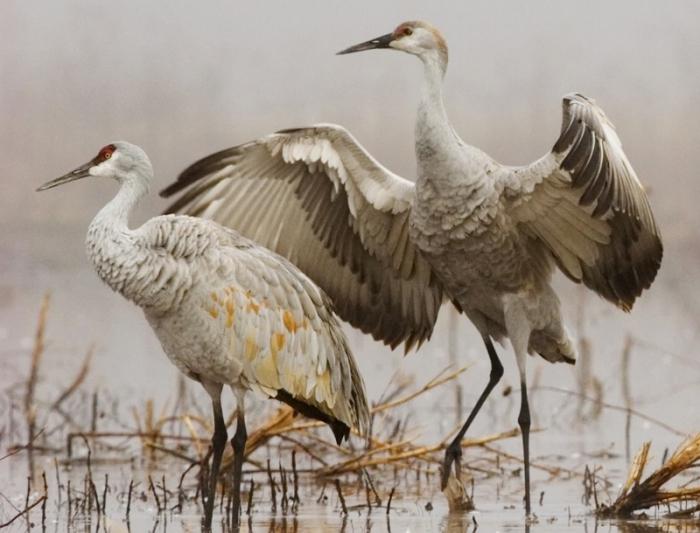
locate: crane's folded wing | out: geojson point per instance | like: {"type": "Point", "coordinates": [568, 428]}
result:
{"type": "Point", "coordinates": [316, 197]}
{"type": "Point", "coordinates": [584, 201]}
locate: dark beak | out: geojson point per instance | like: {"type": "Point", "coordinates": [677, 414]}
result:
{"type": "Point", "coordinates": [378, 42]}
{"type": "Point", "coordinates": [83, 171]}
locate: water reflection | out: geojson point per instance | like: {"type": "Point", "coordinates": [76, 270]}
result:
{"type": "Point", "coordinates": [666, 526]}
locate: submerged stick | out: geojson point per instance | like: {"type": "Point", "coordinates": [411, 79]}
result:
{"type": "Point", "coordinates": [155, 494]}
{"type": "Point", "coordinates": [273, 490]}
{"type": "Point", "coordinates": [340, 496]}
{"type": "Point", "coordinates": [250, 497]}
{"type": "Point", "coordinates": [23, 512]}
{"type": "Point", "coordinates": [43, 503]}
{"type": "Point", "coordinates": [128, 499]}
{"type": "Point", "coordinates": [391, 497]}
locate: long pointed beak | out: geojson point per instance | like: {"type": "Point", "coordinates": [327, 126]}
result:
{"type": "Point", "coordinates": [83, 171]}
{"type": "Point", "coordinates": [378, 42]}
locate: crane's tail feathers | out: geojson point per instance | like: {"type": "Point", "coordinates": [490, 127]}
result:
{"type": "Point", "coordinates": [562, 350]}
{"type": "Point", "coordinates": [340, 430]}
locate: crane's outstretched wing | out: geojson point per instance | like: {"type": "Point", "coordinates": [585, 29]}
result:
{"type": "Point", "coordinates": [315, 196]}
{"type": "Point", "coordinates": [584, 201]}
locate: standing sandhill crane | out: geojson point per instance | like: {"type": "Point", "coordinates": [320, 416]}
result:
{"type": "Point", "coordinates": [485, 235]}
{"type": "Point", "coordinates": [226, 311]}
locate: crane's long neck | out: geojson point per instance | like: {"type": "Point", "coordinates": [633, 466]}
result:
{"type": "Point", "coordinates": [434, 134]}
{"type": "Point", "coordinates": [445, 163]}
{"type": "Point", "coordinates": [112, 247]}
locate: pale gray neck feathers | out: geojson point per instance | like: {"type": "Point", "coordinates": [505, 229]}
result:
{"type": "Point", "coordinates": [111, 246]}
{"type": "Point", "coordinates": [434, 134]}
{"type": "Point", "coordinates": [116, 213]}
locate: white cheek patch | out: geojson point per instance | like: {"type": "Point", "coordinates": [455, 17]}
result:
{"type": "Point", "coordinates": [106, 168]}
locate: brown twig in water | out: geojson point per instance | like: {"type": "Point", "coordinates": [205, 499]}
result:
{"type": "Point", "coordinates": [391, 497]}
{"type": "Point", "coordinates": [43, 504]}
{"type": "Point", "coordinates": [340, 497]}
{"type": "Point", "coordinates": [23, 512]}
{"type": "Point", "coordinates": [128, 499]}
{"type": "Point", "coordinates": [250, 497]}
{"type": "Point", "coordinates": [616, 408]}
{"type": "Point", "coordinates": [626, 394]}
{"type": "Point", "coordinates": [438, 380]}
{"type": "Point", "coordinates": [283, 479]}
{"type": "Point", "coordinates": [155, 494]}
{"type": "Point", "coordinates": [295, 497]}
{"type": "Point", "coordinates": [77, 381]}
{"type": "Point", "coordinates": [15, 449]}
{"type": "Point", "coordinates": [70, 502]}
{"type": "Point", "coordinates": [172, 452]}
{"type": "Point", "coordinates": [273, 490]}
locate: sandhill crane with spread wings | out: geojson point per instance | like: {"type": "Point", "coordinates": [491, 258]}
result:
{"type": "Point", "coordinates": [226, 310]}
{"type": "Point", "coordinates": [484, 235]}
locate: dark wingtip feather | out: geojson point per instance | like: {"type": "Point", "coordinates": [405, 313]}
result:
{"type": "Point", "coordinates": [202, 168]}
{"type": "Point", "coordinates": [171, 189]}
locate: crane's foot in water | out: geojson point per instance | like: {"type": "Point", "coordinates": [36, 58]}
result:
{"type": "Point", "coordinates": [453, 454]}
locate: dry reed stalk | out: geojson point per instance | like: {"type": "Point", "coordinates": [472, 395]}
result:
{"type": "Point", "coordinates": [636, 494]}
{"type": "Point", "coordinates": [77, 380]}
{"type": "Point", "coordinates": [171, 452]}
{"type": "Point", "coordinates": [614, 407]}
{"type": "Point", "coordinates": [201, 452]}
{"type": "Point", "coordinates": [626, 393]}
{"type": "Point", "coordinates": [36, 356]}
{"type": "Point", "coordinates": [438, 380]}
{"type": "Point", "coordinates": [551, 470]}
{"type": "Point", "coordinates": [405, 450]}
{"type": "Point", "coordinates": [24, 511]}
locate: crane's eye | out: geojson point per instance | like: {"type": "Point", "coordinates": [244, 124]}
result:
{"type": "Point", "coordinates": [105, 153]}
{"type": "Point", "coordinates": [407, 31]}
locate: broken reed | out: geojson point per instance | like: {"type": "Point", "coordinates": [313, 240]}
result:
{"type": "Point", "coordinates": [637, 495]}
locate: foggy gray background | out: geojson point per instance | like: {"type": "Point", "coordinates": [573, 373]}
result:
{"type": "Point", "coordinates": [183, 79]}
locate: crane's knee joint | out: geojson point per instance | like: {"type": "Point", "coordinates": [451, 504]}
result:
{"type": "Point", "coordinates": [239, 438]}
{"type": "Point", "coordinates": [454, 450]}
{"type": "Point", "coordinates": [220, 435]}
{"type": "Point", "coordinates": [524, 419]}
{"type": "Point", "coordinates": [496, 371]}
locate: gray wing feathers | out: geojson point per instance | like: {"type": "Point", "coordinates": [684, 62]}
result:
{"type": "Point", "coordinates": [316, 197]}
{"type": "Point", "coordinates": [299, 344]}
{"type": "Point", "coordinates": [585, 202]}
{"type": "Point", "coordinates": [302, 371]}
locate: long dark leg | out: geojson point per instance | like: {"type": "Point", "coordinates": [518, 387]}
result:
{"type": "Point", "coordinates": [238, 443]}
{"type": "Point", "coordinates": [524, 422]}
{"type": "Point", "coordinates": [453, 453]}
{"type": "Point", "coordinates": [218, 443]}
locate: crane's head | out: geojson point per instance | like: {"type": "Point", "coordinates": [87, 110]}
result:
{"type": "Point", "coordinates": [119, 160]}
{"type": "Point", "coordinates": [414, 37]}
